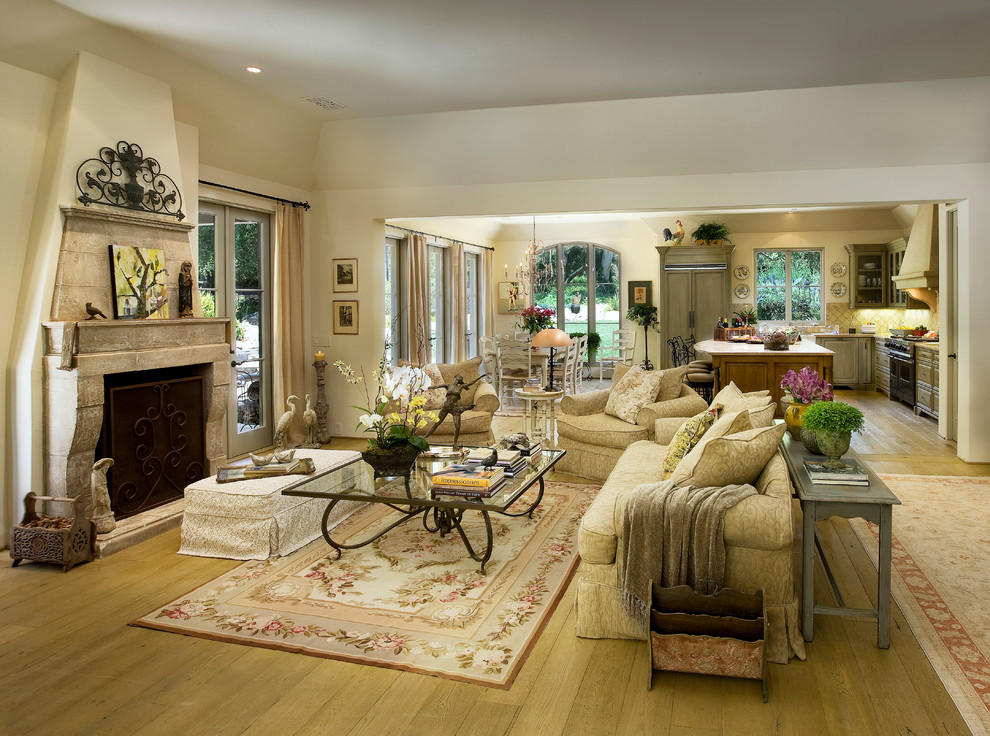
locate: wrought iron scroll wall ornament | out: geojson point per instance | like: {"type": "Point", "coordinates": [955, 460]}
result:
{"type": "Point", "coordinates": [123, 177]}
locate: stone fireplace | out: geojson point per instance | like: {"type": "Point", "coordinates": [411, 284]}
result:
{"type": "Point", "coordinates": [81, 353]}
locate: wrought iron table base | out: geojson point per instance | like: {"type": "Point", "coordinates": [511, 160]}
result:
{"type": "Point", "coordinates": [445, 520]}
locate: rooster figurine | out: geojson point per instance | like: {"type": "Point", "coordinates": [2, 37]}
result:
{"type": "Point", "coordinates": [677, 237]}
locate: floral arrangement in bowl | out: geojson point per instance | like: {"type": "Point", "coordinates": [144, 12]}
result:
{"type": "Point", "coordinates": [806, 386]}
{"type": "Point", "coordinates": [536, 318]}
{"type": "Point", "coordinates": [398, 408]}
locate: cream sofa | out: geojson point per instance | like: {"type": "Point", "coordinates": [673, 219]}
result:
{"type": "Point", "coordinates": [595, 440]}
{"type": "Point", "coordinates": [758, 535]}
{"type": "Point", "coordinates": [476, 423]}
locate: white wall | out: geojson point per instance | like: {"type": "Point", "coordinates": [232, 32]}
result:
{"type": "Point", "coordinates": [865, 126]}
{"type": "Point", "coordinates": [23, 136]}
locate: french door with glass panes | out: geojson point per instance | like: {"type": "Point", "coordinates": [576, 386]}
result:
{"type": "Point", "coordinates": [235, 281]}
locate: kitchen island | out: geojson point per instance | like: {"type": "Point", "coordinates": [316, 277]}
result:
{"type": "Point", "coordinates": [754, 368]}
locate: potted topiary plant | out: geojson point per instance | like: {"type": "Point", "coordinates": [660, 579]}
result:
{"type": "Point", "coordinates": [711, 233]}
{"type": "Point", "coordinates": [833, 423]}
{"type": "Point", "coordinates": [644, 315]}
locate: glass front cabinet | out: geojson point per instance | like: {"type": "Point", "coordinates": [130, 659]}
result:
{"type": "Point", "coordinates": [869, 276]}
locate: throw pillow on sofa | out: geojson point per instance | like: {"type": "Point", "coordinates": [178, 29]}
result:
{"type": "Point", "coordinates": [733, 459]}
{"type": "Point", "coordinates": [762, 417]}
{"type": "Point", "coordinates": [468, 370]}
{"type": "Point", "coordinates": [685, 438]}
{"type": "Point", "coordinates": [670, 382]}
{"type": "Point", "coordinates": [635, 389]}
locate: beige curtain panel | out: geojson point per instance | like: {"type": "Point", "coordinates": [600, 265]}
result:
{"type": "Point", "coordinates": [458, 304]}
{"type": "Point", "coordinates": [289, 344]}
{"type": "Point", "coordinates": [488, 282]}
{"type": "Point", "coordinates": [418, 313]}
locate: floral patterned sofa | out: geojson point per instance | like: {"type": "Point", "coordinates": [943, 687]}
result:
{"type": "Point", "coordinates": [758, 531]}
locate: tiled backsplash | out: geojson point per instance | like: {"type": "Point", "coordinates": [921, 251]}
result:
{"type": "Point", "coordinates": [841, 314]}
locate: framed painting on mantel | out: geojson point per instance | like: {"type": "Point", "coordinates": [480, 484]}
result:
{"type": "Point", "coordinates": [139, 275]}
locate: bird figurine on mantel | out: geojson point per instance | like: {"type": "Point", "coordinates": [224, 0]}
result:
{"type": "Point", "coordinates": [677, 236]}
{"type": "Point", "coordinates": [93, 312]}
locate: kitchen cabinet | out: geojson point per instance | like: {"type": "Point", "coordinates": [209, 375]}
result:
{"type": "Point", "coordinates": [693, 292]}
{"type": "Point", "coordinates": [881, 366]}
{"type": "Point", "coordinates": [852, 365]}
{"type": "Point", "coordinates": [926, 381]}
{"type": "Point", "coordinates": [869, 276]}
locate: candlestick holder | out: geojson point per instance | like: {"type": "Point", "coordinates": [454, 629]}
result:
{"type": "Point", "coordinates": [322, 408]}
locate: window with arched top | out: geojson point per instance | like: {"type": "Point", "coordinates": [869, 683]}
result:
{"type": "Point", "coordinates": [580, 281]}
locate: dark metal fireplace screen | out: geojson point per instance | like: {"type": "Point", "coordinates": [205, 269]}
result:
{"type": "Point", "coordinates": [155, 432]}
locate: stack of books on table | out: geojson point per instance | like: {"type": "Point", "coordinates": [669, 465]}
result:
{"type": "Point", "coordinates": [850, 474]}
{"type": "Point", "coordinates": [466, 479]}
{"type": "Point", "coordinates": [511, 461]}
{"type": "Point", "coordinates": [532, 452]}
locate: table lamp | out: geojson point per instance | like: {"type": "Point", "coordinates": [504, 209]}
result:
{"type": "Point", "coordinates": [552, 339]}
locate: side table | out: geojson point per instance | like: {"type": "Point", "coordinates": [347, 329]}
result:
{"type": "Point", "coordinates": [532, 420]}
{"type": "Point", "coordinates": [874, 503]}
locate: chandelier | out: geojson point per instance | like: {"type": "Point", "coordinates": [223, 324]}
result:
{"type": "Point", "coordinates": [531, 276]}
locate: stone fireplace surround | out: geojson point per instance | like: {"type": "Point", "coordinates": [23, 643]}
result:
{"type": "Point", "coordinates": [79, 353]}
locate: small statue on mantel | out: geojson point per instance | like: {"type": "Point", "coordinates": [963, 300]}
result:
{"type": "Point", "coordinates": [185, 290]}
{"type": "Point", "coordinates": [103, 516]}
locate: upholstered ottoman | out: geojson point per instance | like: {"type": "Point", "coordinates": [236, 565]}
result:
{"type": "Point", "coordinates": [252, 520]}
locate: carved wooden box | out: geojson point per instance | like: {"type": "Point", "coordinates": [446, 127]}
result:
{"type": "Point", "coordinates": [42, 538]}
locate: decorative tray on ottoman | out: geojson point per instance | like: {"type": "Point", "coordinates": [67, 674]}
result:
{"type": "Point", "coordinates": [721, 634]}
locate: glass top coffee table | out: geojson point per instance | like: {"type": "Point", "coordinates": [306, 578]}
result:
{"type": "Point", "coordinates": [412, 496]}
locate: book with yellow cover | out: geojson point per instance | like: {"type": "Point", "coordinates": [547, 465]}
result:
{"type": "Point", "coordinates": [468, 475]}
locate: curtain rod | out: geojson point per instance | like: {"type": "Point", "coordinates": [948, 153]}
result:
{"type": "Point", "coordinates": [304, 205]}
{"type": "Point", "coordinates": [431, 235]}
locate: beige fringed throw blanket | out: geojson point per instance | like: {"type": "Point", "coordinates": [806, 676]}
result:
{"type": "Point", "coordinates": [673, 536]}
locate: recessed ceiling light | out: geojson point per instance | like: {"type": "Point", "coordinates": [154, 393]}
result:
{"type": "Point", "coordinates": [254, 69]}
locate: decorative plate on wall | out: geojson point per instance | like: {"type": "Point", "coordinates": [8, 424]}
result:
{"type": "Point", "coordinates": [741, 291]}
{"type": "Point", "coordinates": [838, 289]}
{"type": "Point", "coordinates": [741, 272]}
{"type": "Point", "coordinates": [838, 270]}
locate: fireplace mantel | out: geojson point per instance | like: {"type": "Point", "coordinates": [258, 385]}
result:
{"type": "Point", "coordinates": [79, 354]}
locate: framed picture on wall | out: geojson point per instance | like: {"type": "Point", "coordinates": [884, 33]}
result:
{"type": "Point", "coordinates": [640, 292]}
{"type": "Point", "coordinates": [345, 276]}
{"type": "Point", "coordinates": [345, 317]}
{"type": "Point", "coordinates": [510, 300]}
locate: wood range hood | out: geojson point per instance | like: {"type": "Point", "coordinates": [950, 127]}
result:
{"type": "Point", "coordinates": [918, 275]}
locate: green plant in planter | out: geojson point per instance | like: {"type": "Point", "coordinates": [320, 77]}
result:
{"type": "Point", "coordinates": [833, 423]}
{"type": "Point", "coordinates": [746, 316]}
{"type": "Point", "coordinates": [594, 342]}
{"type": "Point", "coordinates": [711, 233]}
{"type": "Point", "coordinates": [645, 315]}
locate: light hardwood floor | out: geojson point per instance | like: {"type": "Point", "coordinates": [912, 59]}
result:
{"type": "Point", "coordinates": [69, 664]}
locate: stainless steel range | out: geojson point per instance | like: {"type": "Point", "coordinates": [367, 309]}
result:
{"type": "Point", "coordinates": [901, 353]}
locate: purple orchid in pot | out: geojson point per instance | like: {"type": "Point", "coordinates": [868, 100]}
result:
{"type": "Point", "coordinates": [803, 388]}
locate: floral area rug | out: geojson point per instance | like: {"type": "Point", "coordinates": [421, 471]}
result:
{"type": "Point", "coordinates": [941, 554]}
{"type": "Point", "coordinates": [412, 600]}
